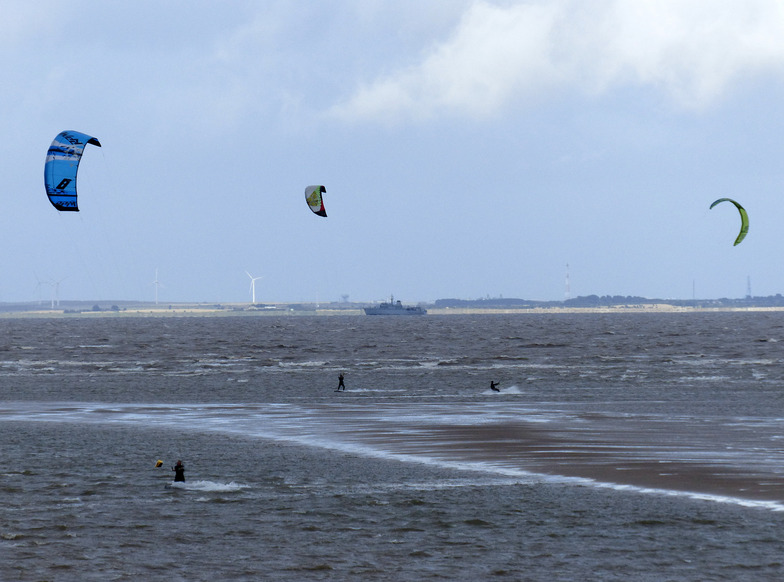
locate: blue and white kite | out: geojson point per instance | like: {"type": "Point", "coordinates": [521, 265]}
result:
{"type": "Point", "coordinates": [62, 163]}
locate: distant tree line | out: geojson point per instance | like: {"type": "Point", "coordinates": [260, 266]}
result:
{"type": "Point", "coordinates": [606, 301]}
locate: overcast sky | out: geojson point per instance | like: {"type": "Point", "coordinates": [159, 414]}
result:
{"type": "Point", "coordinates": [469, 148]}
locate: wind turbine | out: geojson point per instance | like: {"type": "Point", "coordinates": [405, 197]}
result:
{"type": "Point", "coordinates": [39, 282]}
{"type": "Point", "coordinates": [157, 284]}
{"type": "Point", "coordinates": [253, 286]}
{"type": "Point", "coordinates": [56, 291]}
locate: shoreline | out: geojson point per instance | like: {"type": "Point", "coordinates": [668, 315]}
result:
{"type": "Point", "coordinates": [283, 310]}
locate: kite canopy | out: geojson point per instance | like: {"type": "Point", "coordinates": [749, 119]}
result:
{"type": "Point", "coordinates": [62, 163]}
{"type": "Point", "coordinates": [744, 218]}
{"type": "Point", "coordinates": [314, 199]}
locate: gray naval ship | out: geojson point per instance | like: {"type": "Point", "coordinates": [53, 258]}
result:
{"type": "Point", "coordinates": [394, 308]}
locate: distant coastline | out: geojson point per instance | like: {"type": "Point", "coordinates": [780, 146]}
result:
{"type": "Point", "coordinates": [488, 306]}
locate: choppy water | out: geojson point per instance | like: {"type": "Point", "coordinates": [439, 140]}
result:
{"type": "Point", "coordinates": [621, 446]}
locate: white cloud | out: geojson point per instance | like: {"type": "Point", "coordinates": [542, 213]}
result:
{"type": "Point", "coordinates": [502, 54]}
{"type": "Point", "coordinates": [691, 50]}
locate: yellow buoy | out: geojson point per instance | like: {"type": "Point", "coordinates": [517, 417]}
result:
{"type": "Point", "coordinates": [159, 463]}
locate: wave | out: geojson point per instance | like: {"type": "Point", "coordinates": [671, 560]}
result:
{"type": "Point", "coordinates": [208, 486]}
{"type": "Point", "coordinates": [514, 389]}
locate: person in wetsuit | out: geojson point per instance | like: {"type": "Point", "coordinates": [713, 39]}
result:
{"type": "Point", "coordinates": [340, 383]}
{"type": "Point", "coordinates": [179, 471]}
{"type": "Point", "coordinates": [493, 385]}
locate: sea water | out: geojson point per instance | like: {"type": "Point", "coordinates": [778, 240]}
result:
{"type": "Point", "coordinates": [623, 446]}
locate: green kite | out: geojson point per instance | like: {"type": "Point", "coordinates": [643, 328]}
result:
{"type": "Point", "coordinates": [744, 218]}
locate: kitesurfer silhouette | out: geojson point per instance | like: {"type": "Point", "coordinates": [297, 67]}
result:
{"type": "Point", "coordinates": [179, 471]}
{"type": "Point", "coordinates": [340, 383]}
{"type": "Point", "coordinates": [493, 385]}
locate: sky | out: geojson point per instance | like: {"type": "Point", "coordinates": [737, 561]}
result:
{"type": "Point", "coordinates": [469, 149]}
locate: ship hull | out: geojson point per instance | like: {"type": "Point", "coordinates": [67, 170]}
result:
{"type": "Point", "coordinates": [393, 307]}
{"type": "Point", "coordinates": [386, 311]}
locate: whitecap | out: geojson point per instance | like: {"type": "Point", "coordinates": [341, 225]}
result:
{"type": "Point", "coordinates": [208, 486]}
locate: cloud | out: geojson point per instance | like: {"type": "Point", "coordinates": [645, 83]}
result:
{"type": "Point", "coordinates": [502, 55]}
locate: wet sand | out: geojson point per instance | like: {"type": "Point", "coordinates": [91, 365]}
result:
{"type": "Point", "coordinates": [565, 454]}
{"type": "Point", "coordinates": [657, 454]}
{"type": "Point", "coordinates": [715, 457]}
